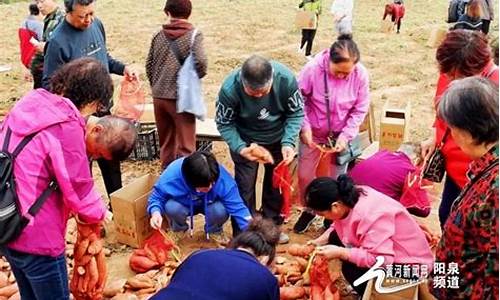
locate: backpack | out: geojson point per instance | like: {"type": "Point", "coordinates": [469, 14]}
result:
{"type": "Point", "coordinates": [12, 222]}
{"type": "Point", "coordinates": [456, 8]}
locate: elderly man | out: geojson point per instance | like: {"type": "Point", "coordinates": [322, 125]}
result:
{"type": "Point", "coordinates": [260, 103]}
{"type": "Point", "coordinates": [82, 35]}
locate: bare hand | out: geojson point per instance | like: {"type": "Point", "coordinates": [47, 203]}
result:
{"type": "Point", "coordinates": [428, 146]}
{"type": "Point", "coordinates": [306, 138]}
{"type": "Point", "coordinates": [40, 47]}
{"type": "Point", "coordinates": [130, 74]}
{"type": "Point", "coordinates": [288, 154]}
{"type": "Point", "coordinates": [156, 220]}
{"type": "Point", "coordinates": [332, 251]}
{"type": "Point", "coordinates": [340, 145]}
{"type": "Point", "coordinates": [247, 153]}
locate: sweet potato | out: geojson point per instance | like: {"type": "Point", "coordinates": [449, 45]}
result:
{"type": "Point", "coordinates": [95, 247]}
{"type": "Point", "coordinates": [9, 290]}
{"type": "Point", "coordinates": [261, 153]}
{"type": "Point", "coordinates": [302, 263]}
{"type": "Point", "coordinates": [316, 293]}
{"type": "Point", "coordinates": [331, 293]}
{"type": "Point", "coordinates": [138, 283]}
{"type": "Point", "coordinates": [150, 253]}
{"type": "Point", "coordinates": [300, 250]}
{"type": "Point", "coordinates": [102, 269]}
{"type": "Point", "coordinates": [114, 288]}
{"type": "Point", "coordinates": [292, 292]}
{"type": "Point", "coordinates": [141, 264]}
{"type": "Point", "coordinates": [93, 274]}
{"type": "Point", "coordinates": [4, 280]}
{"type": "Point", "coordinates": [294, 277]}
{"type": "Point", "coordinates": [84, 260]}
{"type": "Point", "coordinates": [287, 268]}
{"type": "Point", "coordinates": [145, 291]}
{"type": "Point", "coordinates": [81, 249]}
{"type": "Point", "coordinates": [84, 231]}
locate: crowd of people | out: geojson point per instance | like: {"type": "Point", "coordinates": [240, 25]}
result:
{"type": "Point", "coordinates": [262, 110]}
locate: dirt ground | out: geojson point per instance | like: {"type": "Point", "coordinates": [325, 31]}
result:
{"type": "Point", "coordinates": [402, 68]}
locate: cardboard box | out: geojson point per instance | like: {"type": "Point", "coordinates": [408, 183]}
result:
{"type": "Point", "coordinates": [305, 19]}
{"type": "Point", "coordinates": [394, 127]}
{"type": "Point", "coordinates": [129, 209]}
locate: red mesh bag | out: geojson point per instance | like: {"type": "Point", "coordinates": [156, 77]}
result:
{"type": "Point", "coordinates": [131, 100]}
{"type": "Point", "coordinates": [415, 197]}
{"type": "Point", "coordinates": [324, 167]}
{"type": "Point", "coordinates": [156, 251]}
{"type": "Point", "coordinates": [322, 283]}
{"type": "Point", "coordinates": [282, 180]}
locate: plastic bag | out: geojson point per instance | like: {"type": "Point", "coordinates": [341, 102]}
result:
{"type": "Point", "coordinates": [415, 197]}
{"type": "Point", "coordinates": [131, 100]}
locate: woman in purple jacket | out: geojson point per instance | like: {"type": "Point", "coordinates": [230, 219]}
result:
{"type": "Point", "coordinates": [335, 90]}
{"type": "Point", "coordinates": [57, 153]}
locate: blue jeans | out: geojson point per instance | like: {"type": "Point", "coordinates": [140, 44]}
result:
{"type": "Point", "coordinates": [450, 192]}
{"type": "Point", "coordinates": [215, 216]}
{"type": "Point", "coordinates": [39, 277]}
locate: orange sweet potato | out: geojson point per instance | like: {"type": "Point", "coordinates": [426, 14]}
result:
{"type": "Point", "coordinates": [316, 293]}
{"type": "Point", "coordinates": [141, 264]}
{"type": "Point", "coordinates": [302, 263]}
{"type": "Point", "coordinates": [114, 288]}
{"type": "Point", "coordinates": [300, 250]}
{"type": "Point", "coordinates": [81, 249]}
{"type": "Point", "coordinates": [95, 247]}
{"type": "Point", "coordinates": [261, 153]}
{"type": "Point", "coordinates": [292, 292]}
{"type": "Point", "coordinates": [93, 274]}
{"type": "Point", "coordinates": [287, 268]}
{"type": "Point", "coordinates": [102, 270]}
{"type": "Point", "coordinates": [331, 293]}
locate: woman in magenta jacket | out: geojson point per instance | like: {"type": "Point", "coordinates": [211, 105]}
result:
{"type": "Point", "coordinates": [338, 73]}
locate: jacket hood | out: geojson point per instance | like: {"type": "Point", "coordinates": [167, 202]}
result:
{"type": "Point", "coordinates": [40, 109]}
{"type": "Point", "coordinates": [176, 29]}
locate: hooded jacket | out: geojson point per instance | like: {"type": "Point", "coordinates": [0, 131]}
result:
{"type": "Point", "coordinates": [57, 152]}
{"type": "Point", "coordinates": [171, 186]}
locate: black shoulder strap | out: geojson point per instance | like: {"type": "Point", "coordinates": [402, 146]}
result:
{"type": "Point", "coordinates": [20, 146]}
{"type": "Point", "coordinates": [327, 100]}
{"type": "Point", "coordinates": [35, 208]}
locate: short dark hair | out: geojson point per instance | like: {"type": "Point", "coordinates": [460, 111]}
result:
{"type": "Point", "coordinates": [344, 49]}
{"type": "Point", "coordinates": [256, 72]}
{"type": "Point", "coordinates": [178, 8]}
{"type": "Point", "coordinates": [466, 51]}
{"type": "Point", "coordinates": [471, 104]}
{"type": "Point", "coordinates": [322, 192]}
{"type": "Point", "coordinates": [200, 169]}
{"type": "Point", "coordinates": [70, 4]}
{"type": "Point", "coordinates": [83, 81]}
{"type": "Point", "coordinates": [33, 8]}
{"type": "Point", "coordinates": [261, 237]}
{"type": "Point", "coordinates": [119, 136]}
{"type": "Point", "coordinates": [494, 50]}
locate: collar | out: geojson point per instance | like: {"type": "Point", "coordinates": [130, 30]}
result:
{"type": "Point", "coordinates": [483, 162]}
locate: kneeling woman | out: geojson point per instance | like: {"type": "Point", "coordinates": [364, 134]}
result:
{"type": "Point", "coordinates": [240, 272]}
{"type": "Point", "coordinates": [366, 224]}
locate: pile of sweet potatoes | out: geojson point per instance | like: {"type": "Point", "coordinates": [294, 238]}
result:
{"type": "Point", "coordinates": [8, 286]}
{"type": "Point", "coordinates": [89, 263]}
{"type": "Point", "coordinates": [298, 282]}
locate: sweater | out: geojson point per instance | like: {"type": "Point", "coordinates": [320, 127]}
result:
{"type": "Point", "coordinates": [68, 43]}
{"type": "Point", "coordinates": [221, 274]}
{"type": "Point", "coordinates": [162, 66]}
{"type": "Point", "coordinates": [171, 186]}
{"type": "Point", "coordinates": [273, 118]}
{"type": "Point", "coordinates": [57, 152]}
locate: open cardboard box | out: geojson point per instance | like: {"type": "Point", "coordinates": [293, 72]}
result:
{"type": "Point", "coordinates": [394, 127]}
{"type": "Point", "coordinates": [129, 211]}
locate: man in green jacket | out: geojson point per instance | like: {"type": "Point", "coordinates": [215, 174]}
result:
{"type": "Point", "coordinates": [260, 103]}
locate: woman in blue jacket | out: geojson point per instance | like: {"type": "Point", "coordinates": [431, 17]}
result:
{"type": "Point", "coordinates": [192, 185]}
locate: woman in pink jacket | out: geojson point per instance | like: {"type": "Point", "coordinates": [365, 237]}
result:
{"type": "Point", "coordinates": [57, 153]}
{"type": "Point", "coordinates": [366, 224]}
{"type": "Point", "coordinates": [335, 78]}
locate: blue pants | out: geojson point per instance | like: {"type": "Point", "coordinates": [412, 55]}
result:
{"type": "Point", "coordinates": [215, 216]}
{"type": "Point", "coordinates": [39, 277]}
{"type": "Point", "coordinates": [450, 192]}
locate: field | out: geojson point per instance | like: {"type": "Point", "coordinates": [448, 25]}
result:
{"type": "Point", "coordinates": [402, 68]}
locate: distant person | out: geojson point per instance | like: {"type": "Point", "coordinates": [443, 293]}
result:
{"type": "Point", "coordinates": [176, 131]}
{"type": "Point", "coordinates": [240, 272]}
{"type": "Point", "coordinates": [81, 34]}
{"type": "Point", "coordinates": [397, 12]}
{"type": "Point", "coordinates": [471, 20]}
{"type": "Point", "coordinates": [260, 103]}
{"type": "Point", "coordinates": [30, 34]}
{"type": "Point", "coordinates": [308, 35]}
{"type": "Point", "coordinates": [53, 16]}
{"type": "Point", "coordinates": [463, 53]}
{"type": "Point", "coordinates": [342, 16]}
{"type": "Point", "coordinates": [470, 234]}
{"type": "Point", "coordinates": [488, 11]}
{"type": "Point", "coordinates": [193, 185]}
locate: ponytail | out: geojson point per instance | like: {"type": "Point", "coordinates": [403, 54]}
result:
{"type": "Point", "coordinates": [322, 192]}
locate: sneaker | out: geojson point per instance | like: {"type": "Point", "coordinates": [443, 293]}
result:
{"type": "Point", "coordinates": [219, 238]}
{"type": "Point", "coordinates": [284, 238]}
{"type": "Point", "coordinates": [309, 57]}
{"type": "Point", "coordinates": [305, 220]}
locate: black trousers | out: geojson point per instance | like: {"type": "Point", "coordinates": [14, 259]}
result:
{"type": "Point", "coordinates": [307, 37]}
{"type": "Point", "coordinates": [111, 174]}
{"type": "Point", "coordinates": [350, 271]}
{"type": "Point", "coordinates": [37, 78]}
{"type": "Point", "coordinates": [246, 178]}
{"type": "Point", "coordinates": [485, 28]}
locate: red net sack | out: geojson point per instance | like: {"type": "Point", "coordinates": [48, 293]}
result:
{"type": "Point", "coordinates": [322, 283]}
{"type": "Point", "coordinates": [324, 167]}
{"type": "Point", "coordinates": [156, 251]}
{"type": "Point", "coordinates": [131, 100]}
{"type": "Point", "coordinates": [282, 180]}
{"type": "Point", "coordinates": [415, 197]}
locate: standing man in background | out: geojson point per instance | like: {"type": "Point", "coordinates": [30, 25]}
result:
{"type": "Point", "coordinates": [342, 16]}
{"type": "Point", "coordinates": [81, 34]}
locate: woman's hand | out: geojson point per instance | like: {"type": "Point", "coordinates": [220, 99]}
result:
{"type": "Point", "coordinates": [332, 251]}
{"type": "Point", "coordinates": [156, 220]}
{"type": "Point", "coordinates": [340, 145]}
{"type": "Point", "coordinates": [307, 138]}
{"type": "Point", "coordinates": [428, 146]}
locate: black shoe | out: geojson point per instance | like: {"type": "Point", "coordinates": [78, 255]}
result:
{"type": "Point", "coordinates": [327, 223]}
{"type": "Point", "coordinates": [305, 220]}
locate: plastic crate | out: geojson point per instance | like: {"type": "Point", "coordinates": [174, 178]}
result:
{"type": "Point", "coordinates": [147, 146]}
{"type": "Point", "coordinates": [203, 145]}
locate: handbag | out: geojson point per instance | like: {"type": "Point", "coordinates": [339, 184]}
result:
{"type": "Point", "coordinates": [353, 149]}
{"type": "Point", "coordinates": [434, 169]}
